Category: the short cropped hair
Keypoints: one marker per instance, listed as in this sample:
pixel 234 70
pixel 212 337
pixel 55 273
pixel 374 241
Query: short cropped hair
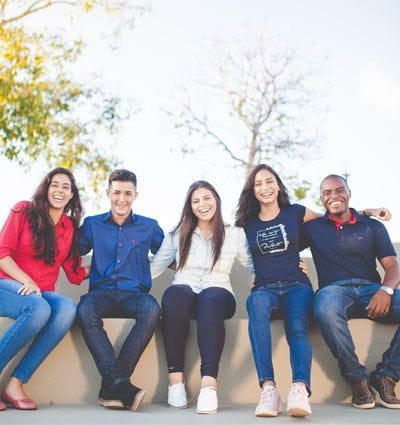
pixel 334 176
pixel 122 175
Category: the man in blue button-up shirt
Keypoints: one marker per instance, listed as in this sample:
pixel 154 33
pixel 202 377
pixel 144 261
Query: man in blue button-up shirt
pixel 119 284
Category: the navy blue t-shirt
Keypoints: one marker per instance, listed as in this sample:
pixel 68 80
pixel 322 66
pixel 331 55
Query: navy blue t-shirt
pixel 274 246
pixel 349 251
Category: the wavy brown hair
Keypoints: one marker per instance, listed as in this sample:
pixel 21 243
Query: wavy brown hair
pixel 41 225
pixel 248 206
pixel 188 223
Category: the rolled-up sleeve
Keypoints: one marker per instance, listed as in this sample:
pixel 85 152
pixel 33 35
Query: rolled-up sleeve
pixel 158 236
pixel 74 277
pixel 85 238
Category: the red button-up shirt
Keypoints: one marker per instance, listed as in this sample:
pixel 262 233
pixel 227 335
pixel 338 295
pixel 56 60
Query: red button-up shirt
pixel 16 241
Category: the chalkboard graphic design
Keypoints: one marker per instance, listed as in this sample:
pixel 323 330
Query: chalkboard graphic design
pixel 272 239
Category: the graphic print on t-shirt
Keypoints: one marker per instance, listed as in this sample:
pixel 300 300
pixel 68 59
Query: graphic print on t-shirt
pixel 272 239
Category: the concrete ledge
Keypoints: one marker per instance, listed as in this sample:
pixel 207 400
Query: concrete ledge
pixel 156 414
pixel 69 374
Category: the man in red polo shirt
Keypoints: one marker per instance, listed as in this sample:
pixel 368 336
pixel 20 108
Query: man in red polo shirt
pixel 345 247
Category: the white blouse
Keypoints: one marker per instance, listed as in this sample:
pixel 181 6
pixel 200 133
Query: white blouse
pixel 196 272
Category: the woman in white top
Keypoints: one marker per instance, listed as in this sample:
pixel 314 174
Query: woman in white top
pixel 204 249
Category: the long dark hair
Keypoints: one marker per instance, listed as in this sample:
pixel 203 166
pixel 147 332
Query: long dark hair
pixel 41 225
pixel 188 223
pixel 248 206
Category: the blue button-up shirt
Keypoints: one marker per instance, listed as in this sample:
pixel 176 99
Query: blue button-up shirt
pixel 120 253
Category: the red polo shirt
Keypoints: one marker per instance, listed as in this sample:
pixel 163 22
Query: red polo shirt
pixel 16 241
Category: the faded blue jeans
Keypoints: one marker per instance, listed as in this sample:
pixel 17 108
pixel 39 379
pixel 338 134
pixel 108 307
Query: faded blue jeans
pixel 101 303
pixel 44 319
pixel 293 302
pixel 340 301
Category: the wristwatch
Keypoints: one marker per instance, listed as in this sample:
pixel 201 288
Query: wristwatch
pixel 387 289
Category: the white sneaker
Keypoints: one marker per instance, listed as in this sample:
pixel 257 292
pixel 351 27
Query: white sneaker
pixel 177 398
pixel 297 403
pixel 270 402
pixel 207 402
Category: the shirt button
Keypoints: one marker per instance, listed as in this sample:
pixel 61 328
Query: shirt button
pixel 120 244
pixel 341 227
pixel 117 261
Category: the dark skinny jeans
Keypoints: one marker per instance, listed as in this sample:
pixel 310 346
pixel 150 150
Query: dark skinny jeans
pixel 210 308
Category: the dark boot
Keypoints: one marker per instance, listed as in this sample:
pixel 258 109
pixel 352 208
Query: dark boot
pixel 130 395
pixel 362 396
pixel 383 388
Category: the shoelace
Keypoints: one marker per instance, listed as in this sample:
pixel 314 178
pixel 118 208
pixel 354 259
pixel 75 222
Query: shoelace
pixel 268 394
pixel 299 392
pixel 388 388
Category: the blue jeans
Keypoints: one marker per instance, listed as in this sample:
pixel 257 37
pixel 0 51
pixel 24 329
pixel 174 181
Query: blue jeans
pixel 45 319
pixel 101 303
pixel 210 308
pixel 338 302
pixel 293 301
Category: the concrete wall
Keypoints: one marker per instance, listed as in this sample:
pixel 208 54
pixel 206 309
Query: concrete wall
pixel 69 375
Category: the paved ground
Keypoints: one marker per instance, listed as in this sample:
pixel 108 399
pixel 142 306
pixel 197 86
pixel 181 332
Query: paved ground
pixel 157 414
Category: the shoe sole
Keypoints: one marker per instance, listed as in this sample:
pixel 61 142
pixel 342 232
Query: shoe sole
pixel 383 402
pixel 111 404
pixel 206 412
pixel 365 405
pixel 138 400
pixel 11 405
pixel 267 414
pixel 298 412
pixel 171 406
pixel 270 413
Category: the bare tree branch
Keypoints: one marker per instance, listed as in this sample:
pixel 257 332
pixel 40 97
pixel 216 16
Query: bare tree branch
pixel 263 93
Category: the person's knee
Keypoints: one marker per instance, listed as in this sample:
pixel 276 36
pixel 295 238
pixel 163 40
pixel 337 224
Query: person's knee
pixel 213 298
pixel 38 309
pixel 297 330
pixel 67 310
pixel 258 303
pixel 151 310
pixel 326 307
pixel 85 311
pixel 175 294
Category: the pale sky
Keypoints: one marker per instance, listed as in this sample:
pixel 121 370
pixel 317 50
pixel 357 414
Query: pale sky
pixel 360 81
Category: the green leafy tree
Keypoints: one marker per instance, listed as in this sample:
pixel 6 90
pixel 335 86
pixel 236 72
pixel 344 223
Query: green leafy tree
pixel 45 113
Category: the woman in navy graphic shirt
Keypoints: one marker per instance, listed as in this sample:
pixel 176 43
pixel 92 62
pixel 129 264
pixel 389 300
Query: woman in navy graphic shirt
pixel 272 226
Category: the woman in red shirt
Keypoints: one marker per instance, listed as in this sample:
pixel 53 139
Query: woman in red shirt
pixel 37 239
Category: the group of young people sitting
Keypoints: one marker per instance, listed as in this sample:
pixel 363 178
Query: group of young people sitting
pixel 43 235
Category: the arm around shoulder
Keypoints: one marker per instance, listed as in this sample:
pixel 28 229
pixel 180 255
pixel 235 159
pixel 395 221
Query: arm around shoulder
pixel 164 256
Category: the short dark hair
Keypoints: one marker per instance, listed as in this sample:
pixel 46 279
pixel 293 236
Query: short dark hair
pixel 122 175
pixel 334 176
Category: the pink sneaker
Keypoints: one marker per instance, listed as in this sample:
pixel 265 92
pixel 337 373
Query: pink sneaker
pixel 270 403
pixel 298 404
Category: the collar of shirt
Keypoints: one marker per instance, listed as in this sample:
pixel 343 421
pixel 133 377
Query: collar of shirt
pixel 197 231
pixel 129 219
pixel 63 222
pixel 355 217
